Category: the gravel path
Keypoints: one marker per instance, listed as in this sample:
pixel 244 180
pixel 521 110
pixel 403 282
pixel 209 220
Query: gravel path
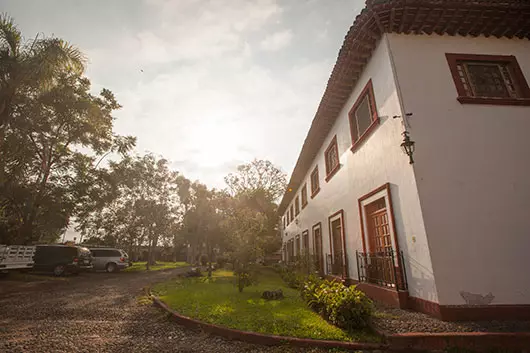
pixel 101 313
pixel 394 320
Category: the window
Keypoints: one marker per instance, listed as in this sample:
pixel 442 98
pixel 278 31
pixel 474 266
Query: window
pixel 297 246
pixel 297 205
pixel 315 186
pixel 363 116
pixel 304 196
pixel 290 250
pixel 283 221
pixel 292 213
pixel 488 79
pixel 337 259
pixel 305 242
pixel 332 159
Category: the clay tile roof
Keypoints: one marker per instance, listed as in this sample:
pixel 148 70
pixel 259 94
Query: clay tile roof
pixel 498 18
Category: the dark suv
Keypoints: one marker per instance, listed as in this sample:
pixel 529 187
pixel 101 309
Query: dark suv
pixel 62 259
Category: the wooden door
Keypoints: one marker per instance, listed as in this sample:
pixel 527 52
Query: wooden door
pixel 317 240
pixel 380 241
pixel 381 267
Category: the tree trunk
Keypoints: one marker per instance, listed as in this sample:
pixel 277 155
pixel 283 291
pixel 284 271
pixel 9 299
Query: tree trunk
pixel 208 252
pixel 152 257
pixel 148 262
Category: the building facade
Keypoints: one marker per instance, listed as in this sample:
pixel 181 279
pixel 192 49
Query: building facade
pixel 447 234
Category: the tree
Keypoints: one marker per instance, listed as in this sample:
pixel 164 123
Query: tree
pixel 144 209
pixel 250 220
pixel 45 174
pixel 34 64
pixel 258 175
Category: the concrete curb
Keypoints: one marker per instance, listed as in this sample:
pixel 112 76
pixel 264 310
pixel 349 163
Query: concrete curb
pixel 259 338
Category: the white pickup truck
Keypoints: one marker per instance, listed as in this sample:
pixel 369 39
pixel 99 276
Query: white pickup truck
pixel 16 257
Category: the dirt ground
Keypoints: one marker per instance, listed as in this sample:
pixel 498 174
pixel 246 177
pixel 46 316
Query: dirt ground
pixel 100 312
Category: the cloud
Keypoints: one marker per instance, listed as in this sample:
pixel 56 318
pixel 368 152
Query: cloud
pixel 205 98
pixel 276 41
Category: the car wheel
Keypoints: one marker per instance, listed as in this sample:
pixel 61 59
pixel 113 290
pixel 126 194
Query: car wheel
pixel 111 267
pixel 59 270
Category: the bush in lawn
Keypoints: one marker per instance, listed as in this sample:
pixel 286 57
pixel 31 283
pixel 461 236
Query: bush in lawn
pixel 221 261
pixel 291 276
pixel 311 295
pixel 345 307
pixel 245 276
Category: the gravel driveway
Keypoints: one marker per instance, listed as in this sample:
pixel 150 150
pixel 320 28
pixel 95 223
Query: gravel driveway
pixel 100 312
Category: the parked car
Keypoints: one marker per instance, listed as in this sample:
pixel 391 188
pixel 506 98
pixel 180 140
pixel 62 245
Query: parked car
pixel 62 259
pixel 109 259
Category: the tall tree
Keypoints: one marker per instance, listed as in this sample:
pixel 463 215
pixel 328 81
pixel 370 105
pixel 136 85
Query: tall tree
pixel 36 63
pixel 258 175
pixel 144 209
pixel 45 173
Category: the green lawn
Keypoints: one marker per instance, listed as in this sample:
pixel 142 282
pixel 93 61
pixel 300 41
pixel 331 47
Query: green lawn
pixel 219 302
pixel 160 265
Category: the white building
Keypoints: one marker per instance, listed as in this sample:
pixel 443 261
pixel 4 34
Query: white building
pixel 449 234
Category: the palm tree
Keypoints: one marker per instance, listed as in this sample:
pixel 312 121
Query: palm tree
pixel 35 63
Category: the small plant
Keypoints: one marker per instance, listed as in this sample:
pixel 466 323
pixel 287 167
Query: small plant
pixel 245 277
pixel 221 261
pixel 345 307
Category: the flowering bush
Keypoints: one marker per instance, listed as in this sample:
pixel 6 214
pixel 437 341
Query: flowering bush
pixel 343 306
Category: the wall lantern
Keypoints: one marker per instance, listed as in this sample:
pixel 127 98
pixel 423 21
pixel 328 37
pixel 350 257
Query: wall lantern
pixel 408 146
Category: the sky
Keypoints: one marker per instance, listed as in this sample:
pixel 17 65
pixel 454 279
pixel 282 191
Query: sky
pixel 207 84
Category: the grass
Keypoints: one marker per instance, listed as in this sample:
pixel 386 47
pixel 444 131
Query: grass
pixel 218 301
pixel 160 265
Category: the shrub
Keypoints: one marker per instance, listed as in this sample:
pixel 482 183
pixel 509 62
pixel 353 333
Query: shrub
pixel 311 295
pixel 245 276
pixel 203 260
pixel 221 261
pixel 345 307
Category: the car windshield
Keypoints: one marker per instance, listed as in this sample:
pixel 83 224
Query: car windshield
pixel 84 252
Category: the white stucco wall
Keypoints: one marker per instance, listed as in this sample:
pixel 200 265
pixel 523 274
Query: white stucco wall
pixel 378 161
pixel 472 169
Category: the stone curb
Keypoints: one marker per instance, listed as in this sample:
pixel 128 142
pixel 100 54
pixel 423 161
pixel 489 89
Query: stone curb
pixel 259 338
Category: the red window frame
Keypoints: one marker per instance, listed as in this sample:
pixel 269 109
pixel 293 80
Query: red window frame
pixel 315 182
pixel 331 170
pixel 304 195
pixel 516 74
pixel 368 90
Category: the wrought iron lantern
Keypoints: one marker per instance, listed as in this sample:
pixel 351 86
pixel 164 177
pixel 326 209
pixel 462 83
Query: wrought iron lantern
pixel 408 146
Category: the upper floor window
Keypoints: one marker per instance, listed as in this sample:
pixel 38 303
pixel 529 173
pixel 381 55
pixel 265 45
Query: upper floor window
pixel 304 195
pixel 292 213
pixel 315 183
pixel 488 79
pixel 332 158
pixel 363 115
pixel 297 205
